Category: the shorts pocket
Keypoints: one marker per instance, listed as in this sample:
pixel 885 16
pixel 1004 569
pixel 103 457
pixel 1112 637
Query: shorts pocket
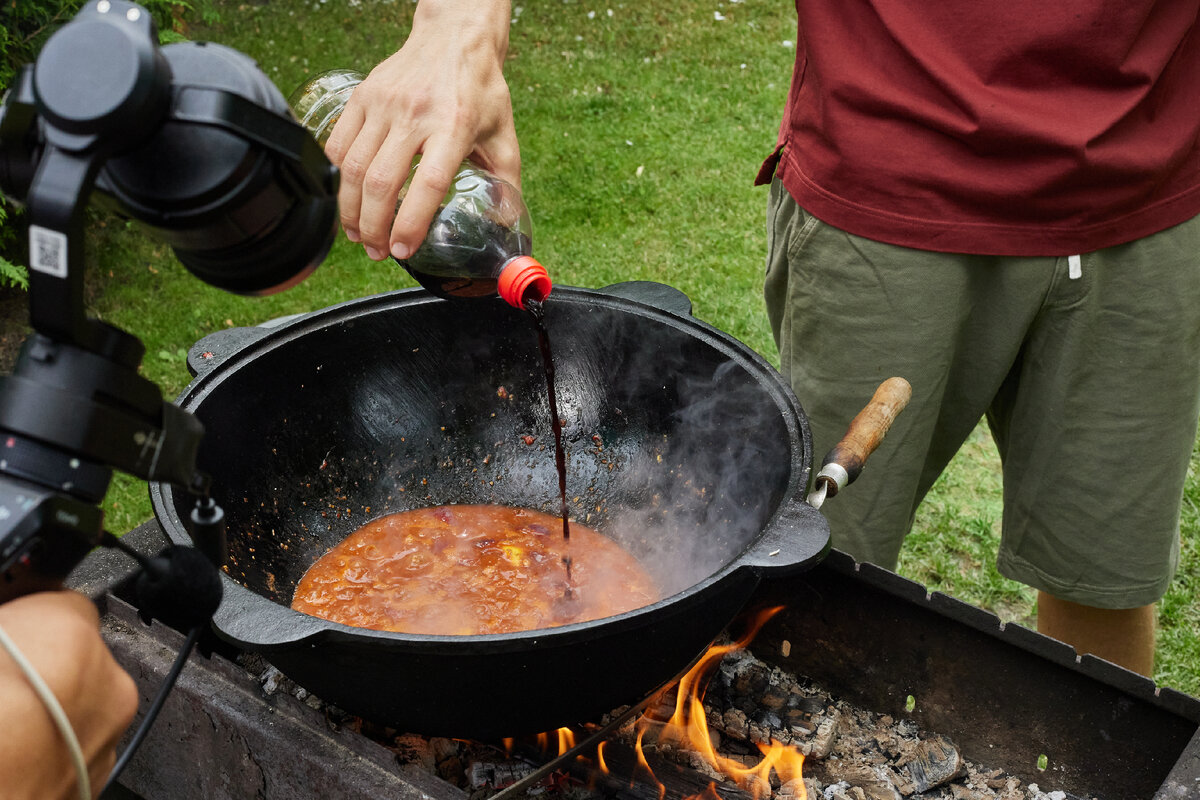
pixel 789 227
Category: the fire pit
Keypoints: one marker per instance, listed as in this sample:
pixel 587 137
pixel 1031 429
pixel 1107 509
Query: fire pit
pixel 1006 696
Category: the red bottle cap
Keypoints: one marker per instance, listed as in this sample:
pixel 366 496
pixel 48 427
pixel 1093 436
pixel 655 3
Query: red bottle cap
pixel 523 279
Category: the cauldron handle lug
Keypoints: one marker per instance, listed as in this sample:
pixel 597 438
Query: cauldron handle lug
pixel 252 623
pixel 217 346
pixel 659 295
pixel 795 540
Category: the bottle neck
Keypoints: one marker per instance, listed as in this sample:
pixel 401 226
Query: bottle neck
pixel 522 279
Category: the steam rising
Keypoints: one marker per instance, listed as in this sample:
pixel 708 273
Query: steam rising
pixel 697 494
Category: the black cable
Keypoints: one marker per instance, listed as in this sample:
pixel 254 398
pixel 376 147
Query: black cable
pixel 183 588
pixel 155 707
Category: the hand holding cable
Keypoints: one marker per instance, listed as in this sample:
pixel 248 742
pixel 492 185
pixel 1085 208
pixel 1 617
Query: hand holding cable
pixel 57 634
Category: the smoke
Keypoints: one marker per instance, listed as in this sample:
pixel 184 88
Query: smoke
pixel 704 455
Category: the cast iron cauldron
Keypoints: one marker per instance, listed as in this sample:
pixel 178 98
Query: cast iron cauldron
pixel 682 444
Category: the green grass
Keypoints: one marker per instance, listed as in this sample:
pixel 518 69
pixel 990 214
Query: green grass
pixel 641 132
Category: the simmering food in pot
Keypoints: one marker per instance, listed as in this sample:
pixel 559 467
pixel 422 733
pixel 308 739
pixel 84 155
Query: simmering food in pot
pixel 460 570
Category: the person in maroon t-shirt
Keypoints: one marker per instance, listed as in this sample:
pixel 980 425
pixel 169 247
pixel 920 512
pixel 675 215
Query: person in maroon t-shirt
pixel 996 201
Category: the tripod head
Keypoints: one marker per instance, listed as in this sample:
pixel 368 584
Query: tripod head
pixel 192 141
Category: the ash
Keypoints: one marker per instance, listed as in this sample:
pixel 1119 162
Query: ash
pixel 850 753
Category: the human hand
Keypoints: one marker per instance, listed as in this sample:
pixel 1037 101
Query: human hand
pixel 443 96
pixel 59 633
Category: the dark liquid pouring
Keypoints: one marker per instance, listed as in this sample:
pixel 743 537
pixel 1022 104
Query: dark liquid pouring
pixel 536 312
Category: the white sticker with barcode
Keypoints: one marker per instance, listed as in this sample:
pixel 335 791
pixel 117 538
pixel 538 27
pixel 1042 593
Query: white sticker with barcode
pixel 48 251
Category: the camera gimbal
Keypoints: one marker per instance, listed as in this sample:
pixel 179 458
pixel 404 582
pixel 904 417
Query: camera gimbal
pixel 195 143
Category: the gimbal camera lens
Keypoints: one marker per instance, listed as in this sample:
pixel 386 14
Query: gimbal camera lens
pixel 236 214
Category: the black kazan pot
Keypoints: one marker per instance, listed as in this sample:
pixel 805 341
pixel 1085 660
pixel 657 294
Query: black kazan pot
pixel 682 444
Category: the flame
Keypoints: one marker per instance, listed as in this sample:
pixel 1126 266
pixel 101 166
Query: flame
pixel 688 727
pixel 641 757
pixel 566 740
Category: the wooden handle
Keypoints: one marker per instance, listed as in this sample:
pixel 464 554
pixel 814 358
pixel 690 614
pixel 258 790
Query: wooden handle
pixel 865 433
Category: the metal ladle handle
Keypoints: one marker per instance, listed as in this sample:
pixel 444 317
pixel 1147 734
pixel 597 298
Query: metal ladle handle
pixel 846 460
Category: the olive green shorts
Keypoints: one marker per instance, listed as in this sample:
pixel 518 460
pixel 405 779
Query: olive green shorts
pixel 1087 369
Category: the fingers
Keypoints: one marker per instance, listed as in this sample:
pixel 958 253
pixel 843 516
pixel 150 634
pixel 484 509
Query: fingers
pixel 430 182
pixel 382 180
pixel 58 632
pixel 345 133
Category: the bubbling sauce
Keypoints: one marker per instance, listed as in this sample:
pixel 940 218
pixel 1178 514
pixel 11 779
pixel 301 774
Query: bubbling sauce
pixel 462 570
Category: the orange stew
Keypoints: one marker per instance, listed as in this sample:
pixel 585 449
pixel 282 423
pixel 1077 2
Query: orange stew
pixel 459 570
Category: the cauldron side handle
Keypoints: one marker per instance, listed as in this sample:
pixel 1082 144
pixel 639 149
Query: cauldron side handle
pixel 247 621
pixel 659 295
pixel 217 346
pixel 796 539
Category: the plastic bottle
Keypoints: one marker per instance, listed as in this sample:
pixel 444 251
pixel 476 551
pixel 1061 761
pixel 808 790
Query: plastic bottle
pixel 479 242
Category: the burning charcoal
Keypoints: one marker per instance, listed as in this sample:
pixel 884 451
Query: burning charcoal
pixel 994 778
pixel 414 751
pixel 768 719
pixel 805 707
pixel 791 790
pixel 497 774
pixel 699 764
pixel 736 725
pixel 888 743
pixel 270 680
pixel 822 742
pixel 875 783
pixel 746 704
pixel 752 680
pixel 935 762
pixel 798 718
pixel 1037 794
pixel 838 791
pixel 451 771
pixel 443 748
pixel 759 734
pixel 774 698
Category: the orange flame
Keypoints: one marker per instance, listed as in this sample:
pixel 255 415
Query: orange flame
pixel 688 726
pixel 641 757
pixel 566 740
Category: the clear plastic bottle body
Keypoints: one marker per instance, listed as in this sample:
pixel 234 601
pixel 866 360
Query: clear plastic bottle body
pixel 480 226
pixel 319 101
pixel 480 241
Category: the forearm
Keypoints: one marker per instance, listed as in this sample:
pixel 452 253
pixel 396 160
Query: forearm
pixel 480 25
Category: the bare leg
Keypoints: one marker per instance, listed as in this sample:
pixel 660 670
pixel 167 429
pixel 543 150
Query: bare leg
pixel 1123 636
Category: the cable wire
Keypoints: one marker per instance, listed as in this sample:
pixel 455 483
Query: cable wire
pixel 56 712
pixel 155 707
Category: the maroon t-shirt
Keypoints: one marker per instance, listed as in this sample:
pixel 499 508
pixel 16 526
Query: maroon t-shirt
pixel 1006 127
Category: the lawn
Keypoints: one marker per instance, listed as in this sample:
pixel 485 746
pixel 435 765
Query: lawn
pixel 642 128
